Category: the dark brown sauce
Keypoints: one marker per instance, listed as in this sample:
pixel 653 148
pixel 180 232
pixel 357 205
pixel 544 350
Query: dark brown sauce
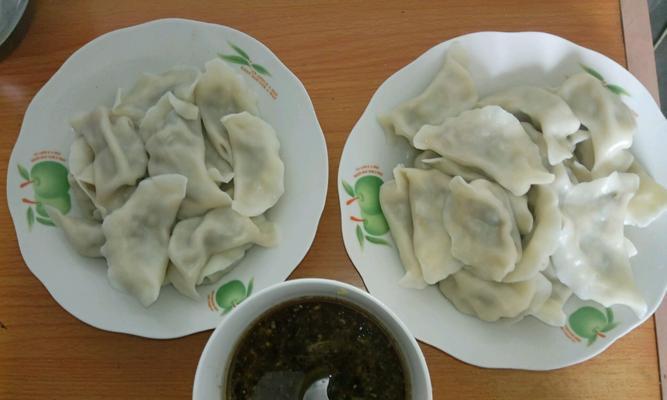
pixel 295 344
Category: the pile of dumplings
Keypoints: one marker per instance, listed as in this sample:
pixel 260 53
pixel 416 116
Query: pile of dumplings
pixel 173 181
pixel 518 200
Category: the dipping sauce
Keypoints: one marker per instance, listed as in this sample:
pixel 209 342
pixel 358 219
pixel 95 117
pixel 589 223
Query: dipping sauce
pixel 298 346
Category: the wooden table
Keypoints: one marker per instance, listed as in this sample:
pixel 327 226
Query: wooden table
pixel 342 52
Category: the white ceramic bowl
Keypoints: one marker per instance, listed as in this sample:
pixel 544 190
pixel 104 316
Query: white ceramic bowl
pixel 209 379
pixel 498 60
pixel 90 77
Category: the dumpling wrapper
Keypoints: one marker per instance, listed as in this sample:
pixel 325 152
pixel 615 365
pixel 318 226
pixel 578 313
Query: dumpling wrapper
pixel 431 160
pixel 542 241
pixel 119 157
pixel 491 301
pixel 428 190
pixel 137 236
pixel 149 88
pixel 551 114
pixel 481 229
pixel 395 203
pixel 178 147
pixel 592 257
pixel 451 92
pixel 259 173
pixel 219 92
pixel 649 202
pixel 84 235
pixel 80 160
pixel 610 122
pixel 195 240
pixel 492 140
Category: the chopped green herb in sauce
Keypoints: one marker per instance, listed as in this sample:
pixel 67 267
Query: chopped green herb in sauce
pixel 298 347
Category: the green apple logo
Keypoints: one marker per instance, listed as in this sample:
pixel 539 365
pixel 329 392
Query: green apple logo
pixel 366 192
pixel 589 323
pixel 50 187
pixel 229 295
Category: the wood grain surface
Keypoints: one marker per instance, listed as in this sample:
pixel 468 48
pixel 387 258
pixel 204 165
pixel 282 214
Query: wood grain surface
pixel 341 51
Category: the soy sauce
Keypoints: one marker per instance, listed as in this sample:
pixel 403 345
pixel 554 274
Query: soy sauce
pixel 310 342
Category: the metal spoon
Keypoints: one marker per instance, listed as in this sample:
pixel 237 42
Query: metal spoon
pixel 317 390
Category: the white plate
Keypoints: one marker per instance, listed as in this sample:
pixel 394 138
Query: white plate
pixel 90 77
pixel 498 60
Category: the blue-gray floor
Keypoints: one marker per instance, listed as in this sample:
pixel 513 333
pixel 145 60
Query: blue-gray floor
pixel 658 12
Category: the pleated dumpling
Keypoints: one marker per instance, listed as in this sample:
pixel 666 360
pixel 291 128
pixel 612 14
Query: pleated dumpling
pixel 451 92
pixel 195 240
pixel 259 172
pixel 427 192
pixel 491 301
pixel 219 169
pixel 483 232
pixel 164 112
pixel 137 236
pixel 119 157
pixel 492 140
pixel 148 89
pixel 547 110
pixel 551 312
pixel 610 122
pixel 84 235
pixel 649 202
pixel 395 203
pixel 592 256
pixel 542 240
pixel 220 91
pixel 177 146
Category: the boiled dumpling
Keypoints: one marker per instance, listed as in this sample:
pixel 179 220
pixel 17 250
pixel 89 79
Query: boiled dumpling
pixel 395 203
pixel 195 240
pixel 610 122
pixel 451 92
pixel 491 301
pixel 649 202
pixel 178 147
pixel 516 205
pixel 258 170
pixel 120 159
pixel 538 138
pixel 168 108
pixel 551 312
pixel 84 235
pixel 218 168
pixel 542 241
pixel 481 229
pixel 219 264
pixel 492 140
pixel 151 87
pixel 219 92
pixel 82 182
pixel 592 257
pixel 216 266
pixel 548 111
pixel 137 236
pixel 428 190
